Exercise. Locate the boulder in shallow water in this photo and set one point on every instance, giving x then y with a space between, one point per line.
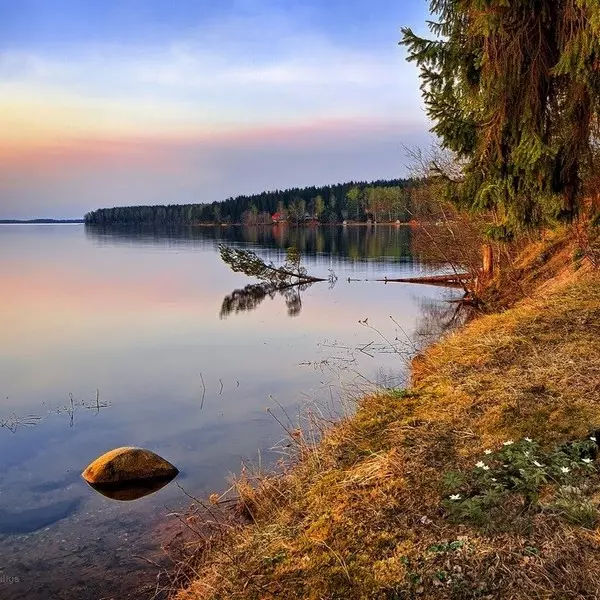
128 464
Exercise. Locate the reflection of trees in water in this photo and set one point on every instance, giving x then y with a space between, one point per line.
438 318
251 296
356 242
391 378
351 242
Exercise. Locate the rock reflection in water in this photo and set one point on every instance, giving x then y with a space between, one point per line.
132 490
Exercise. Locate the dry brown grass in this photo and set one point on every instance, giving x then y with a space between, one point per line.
553 258
361 515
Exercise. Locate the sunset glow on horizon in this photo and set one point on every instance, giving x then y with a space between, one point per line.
138 103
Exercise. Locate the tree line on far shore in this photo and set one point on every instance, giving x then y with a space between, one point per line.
382 200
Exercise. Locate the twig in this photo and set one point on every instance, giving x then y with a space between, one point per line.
283 410
203 392
147 560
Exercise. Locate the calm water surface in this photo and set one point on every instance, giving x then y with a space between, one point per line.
135 316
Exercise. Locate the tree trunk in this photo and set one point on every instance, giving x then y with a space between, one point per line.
488 261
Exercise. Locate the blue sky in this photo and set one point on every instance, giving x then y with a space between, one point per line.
45 23
132 102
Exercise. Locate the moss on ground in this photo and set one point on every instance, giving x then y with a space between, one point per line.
365 513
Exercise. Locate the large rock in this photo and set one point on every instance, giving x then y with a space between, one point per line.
128 464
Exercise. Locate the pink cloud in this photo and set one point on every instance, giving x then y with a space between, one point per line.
163 151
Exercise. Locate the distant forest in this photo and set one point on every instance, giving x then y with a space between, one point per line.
383 200
38 221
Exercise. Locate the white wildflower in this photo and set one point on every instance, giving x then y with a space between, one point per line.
494 479
480 464
509 442
485 468
488 451
587 461
593 438
565 469
455 497
528 440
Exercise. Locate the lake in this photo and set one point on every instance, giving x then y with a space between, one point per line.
118 337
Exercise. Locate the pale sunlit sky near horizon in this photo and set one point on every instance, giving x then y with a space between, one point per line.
117 102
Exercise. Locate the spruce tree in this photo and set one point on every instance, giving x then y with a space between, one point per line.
513 89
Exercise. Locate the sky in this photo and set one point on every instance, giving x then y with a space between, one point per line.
118 102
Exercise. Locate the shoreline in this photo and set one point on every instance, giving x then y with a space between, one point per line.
367 511
310 224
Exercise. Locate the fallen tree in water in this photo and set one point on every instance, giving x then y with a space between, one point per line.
292 278
248 262
288 281
451 279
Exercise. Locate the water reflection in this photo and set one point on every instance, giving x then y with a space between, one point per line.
136 314
34 519
381 242
14 421
439 318
251 296
133 490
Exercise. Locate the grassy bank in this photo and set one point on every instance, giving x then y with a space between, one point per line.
480 481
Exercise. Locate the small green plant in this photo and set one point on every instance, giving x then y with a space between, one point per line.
453 480
442 576
575 507
446 547
578 254
523 469
414 578
277 558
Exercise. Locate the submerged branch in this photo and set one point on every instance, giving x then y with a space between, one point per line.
450 280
